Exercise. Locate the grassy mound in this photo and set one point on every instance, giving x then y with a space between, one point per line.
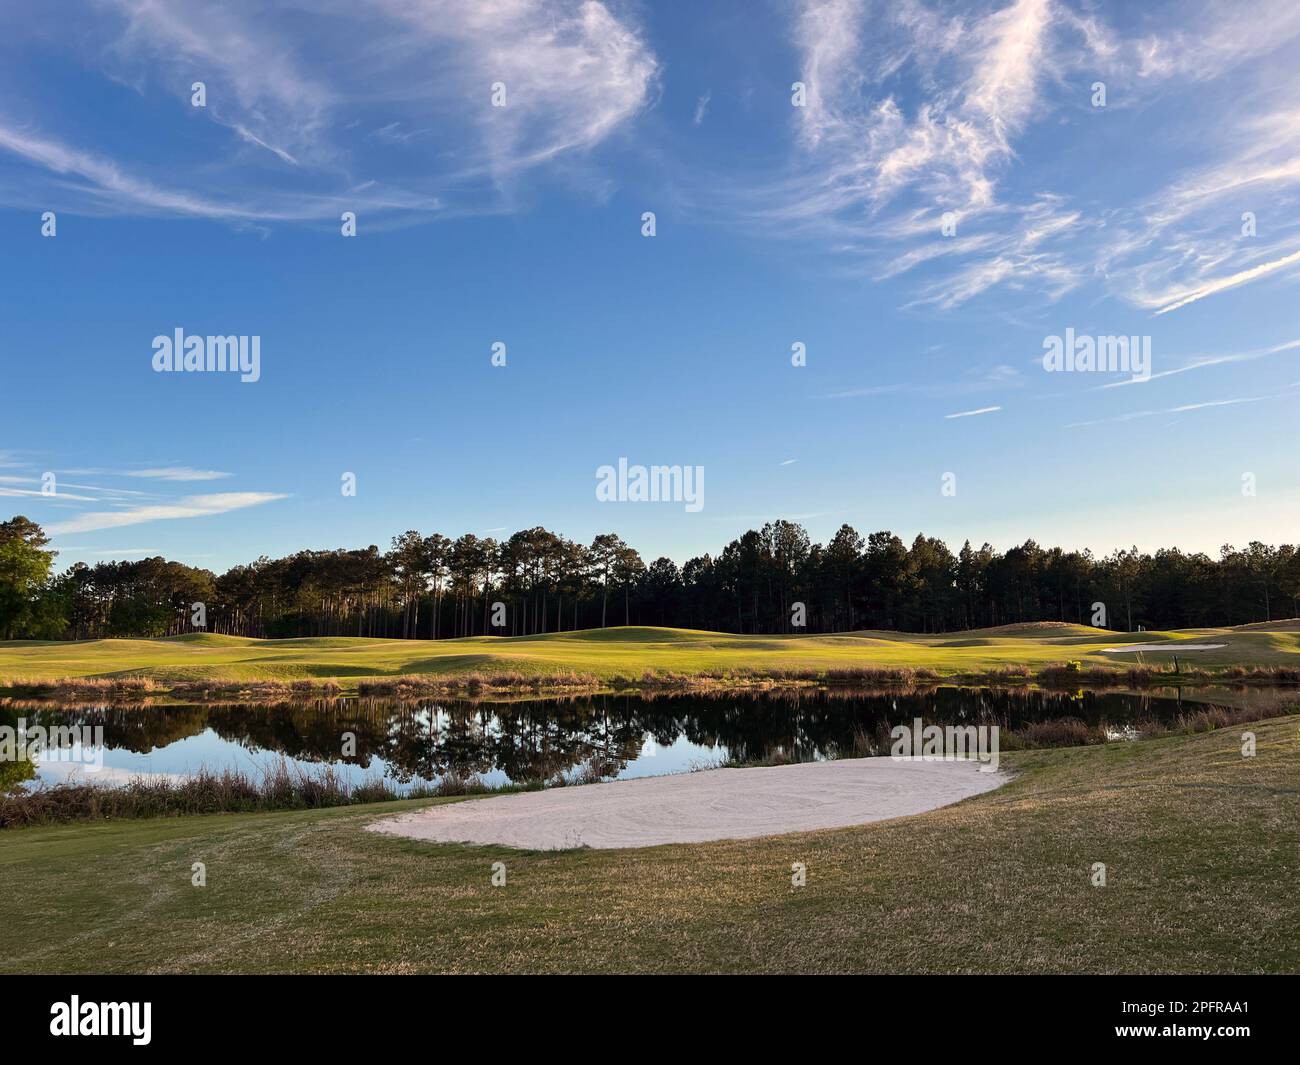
606 654
1039 628
1284 625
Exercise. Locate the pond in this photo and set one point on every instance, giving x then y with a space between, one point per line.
597 736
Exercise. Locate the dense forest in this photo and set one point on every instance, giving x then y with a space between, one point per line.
766 581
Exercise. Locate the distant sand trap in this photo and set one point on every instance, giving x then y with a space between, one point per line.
698 807
1164 647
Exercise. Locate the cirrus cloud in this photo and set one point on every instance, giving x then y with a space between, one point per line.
202 506
381 106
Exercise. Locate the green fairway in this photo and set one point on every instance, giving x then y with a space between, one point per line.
1201 847
629 652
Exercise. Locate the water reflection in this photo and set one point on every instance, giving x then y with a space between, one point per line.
602 735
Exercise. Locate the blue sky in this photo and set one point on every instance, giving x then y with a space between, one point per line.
775 224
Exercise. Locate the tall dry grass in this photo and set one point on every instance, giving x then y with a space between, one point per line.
280 787
473 683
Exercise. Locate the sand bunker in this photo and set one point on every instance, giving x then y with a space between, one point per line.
1164 647
697 807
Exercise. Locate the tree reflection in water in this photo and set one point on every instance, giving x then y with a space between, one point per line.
539 740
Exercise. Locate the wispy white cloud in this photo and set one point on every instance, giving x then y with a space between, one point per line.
573 71
871 146
1185 408
974 380
921 116
869 390
188 507
295 84
177 473
1240 32
104 183
701 108
36 493
61 487
1203 363
1231 219
249 67
253 138
1187 239
910 128
1241 277
972 413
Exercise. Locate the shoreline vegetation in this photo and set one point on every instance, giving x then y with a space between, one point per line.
229 791
1061 675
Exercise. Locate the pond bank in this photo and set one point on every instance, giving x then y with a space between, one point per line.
1061 675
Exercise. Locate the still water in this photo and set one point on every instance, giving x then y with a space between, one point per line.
610 736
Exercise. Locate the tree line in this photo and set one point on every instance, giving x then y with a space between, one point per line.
769 580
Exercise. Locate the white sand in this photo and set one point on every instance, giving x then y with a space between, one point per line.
1163 647
696 807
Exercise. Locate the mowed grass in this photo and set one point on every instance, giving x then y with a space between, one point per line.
1201 847
630 651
